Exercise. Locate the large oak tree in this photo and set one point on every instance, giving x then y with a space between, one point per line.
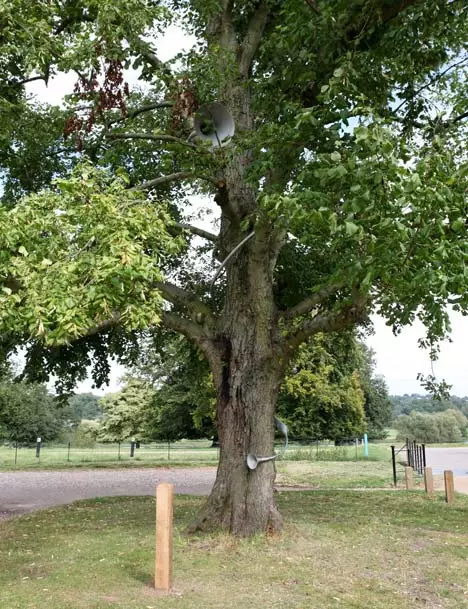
345 183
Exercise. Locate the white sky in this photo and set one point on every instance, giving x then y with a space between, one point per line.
399 359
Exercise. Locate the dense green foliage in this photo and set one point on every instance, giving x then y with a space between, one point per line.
322 396
327 82
123 412
447 426
85 406
29 411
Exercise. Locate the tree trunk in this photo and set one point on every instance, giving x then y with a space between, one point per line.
248 368
242 500
247 379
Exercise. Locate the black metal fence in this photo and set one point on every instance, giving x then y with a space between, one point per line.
414 456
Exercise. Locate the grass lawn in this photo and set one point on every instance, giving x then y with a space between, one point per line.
352 550
334 474
107 455
184 453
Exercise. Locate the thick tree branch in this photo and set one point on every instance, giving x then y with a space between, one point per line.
458 118
112 322
164 72
326 322
196 333
150 136
200 232
24 81
172 177
134 113
392 9
188 328
313 301
179 296
253 38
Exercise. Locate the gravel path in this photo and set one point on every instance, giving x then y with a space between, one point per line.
22 492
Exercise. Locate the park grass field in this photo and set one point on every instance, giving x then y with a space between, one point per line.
185 452
102 455
355 550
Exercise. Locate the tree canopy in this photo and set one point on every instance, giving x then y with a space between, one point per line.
342 192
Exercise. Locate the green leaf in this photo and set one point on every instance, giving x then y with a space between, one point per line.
351 228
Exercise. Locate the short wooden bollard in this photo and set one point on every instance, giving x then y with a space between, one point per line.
409 478
428 480
163 563
449 486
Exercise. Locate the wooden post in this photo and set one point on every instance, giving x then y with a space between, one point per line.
449 486
428 480
163 564
409 478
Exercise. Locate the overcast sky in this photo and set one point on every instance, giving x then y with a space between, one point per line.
399 359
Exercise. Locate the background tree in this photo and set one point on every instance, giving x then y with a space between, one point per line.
85 406
405 404
347 173
28 412
377 404
447 426
123 412
321 396
184 399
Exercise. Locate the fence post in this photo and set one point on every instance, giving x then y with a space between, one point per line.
449 486
16 452
409 478
428 480
163 562
168 451
423 446
118 452
68 454
394 466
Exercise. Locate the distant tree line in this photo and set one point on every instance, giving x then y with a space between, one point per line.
424 419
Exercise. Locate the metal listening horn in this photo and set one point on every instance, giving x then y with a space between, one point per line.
253 460
214 123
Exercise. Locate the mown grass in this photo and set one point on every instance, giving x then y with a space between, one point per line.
59 457
355 550
183 453
329 474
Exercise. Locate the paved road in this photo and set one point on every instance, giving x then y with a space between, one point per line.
26 491
455 459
